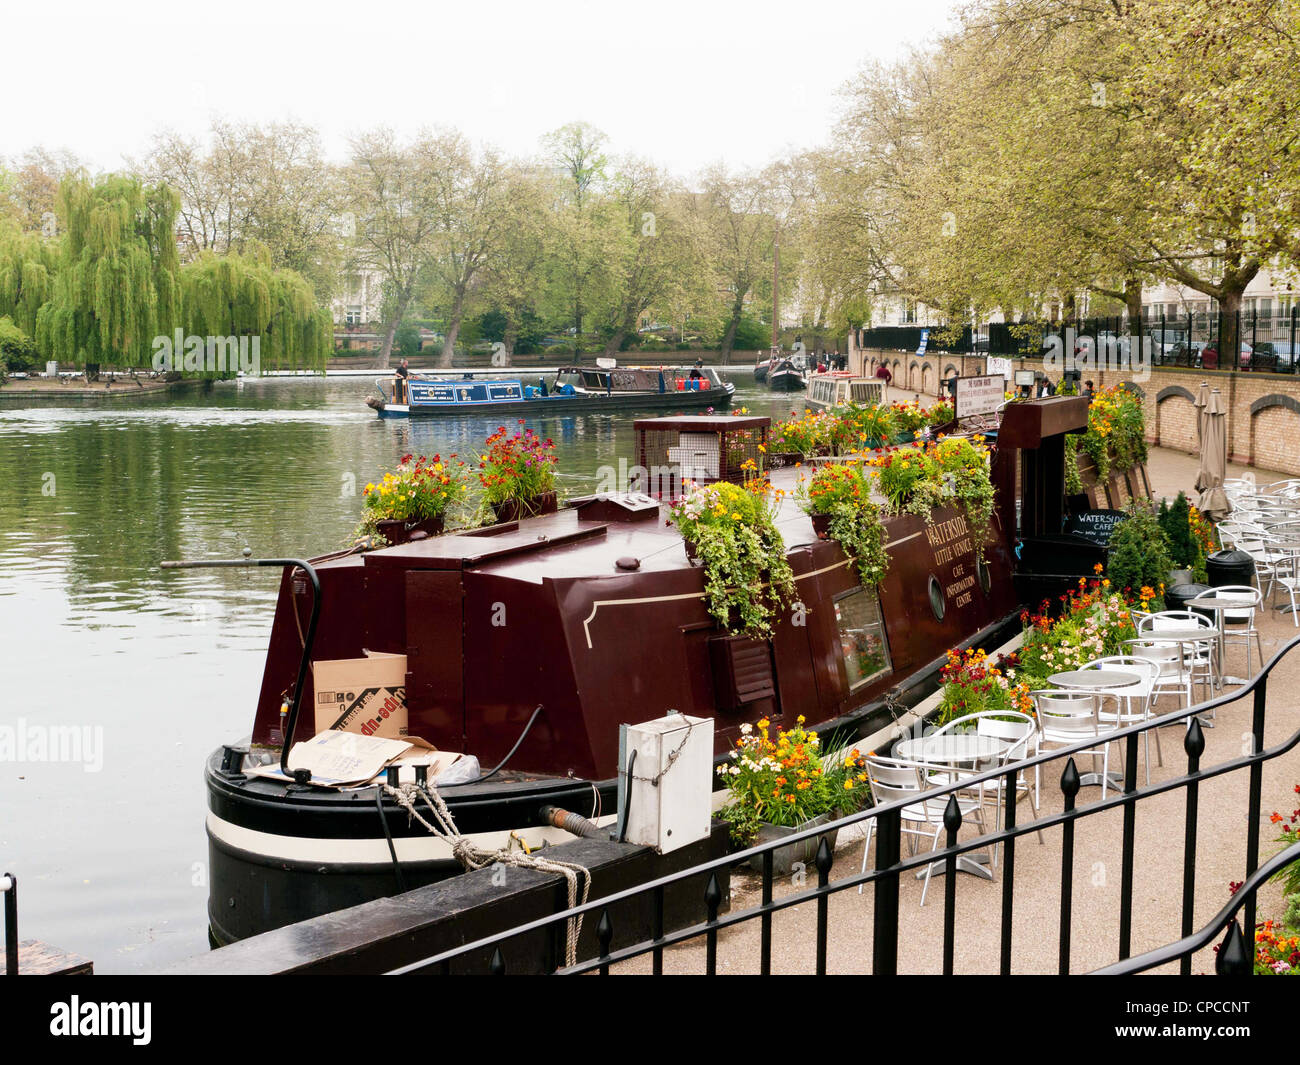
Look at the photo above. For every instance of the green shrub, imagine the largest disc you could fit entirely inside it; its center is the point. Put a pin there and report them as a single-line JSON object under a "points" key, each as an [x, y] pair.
{"points": [[17, 352], [1175, 523], [1139, 554]]}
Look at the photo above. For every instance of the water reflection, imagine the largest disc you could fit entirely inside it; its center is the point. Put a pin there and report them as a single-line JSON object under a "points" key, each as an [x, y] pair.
{"points": [[92, 499]]}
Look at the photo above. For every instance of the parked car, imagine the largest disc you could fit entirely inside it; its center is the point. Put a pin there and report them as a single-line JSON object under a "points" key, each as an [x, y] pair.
{"points": [[1210, 356], [1274, 355]]}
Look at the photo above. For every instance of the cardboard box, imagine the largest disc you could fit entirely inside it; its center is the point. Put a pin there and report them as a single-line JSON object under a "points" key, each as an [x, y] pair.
{"points": [[363, 695]]}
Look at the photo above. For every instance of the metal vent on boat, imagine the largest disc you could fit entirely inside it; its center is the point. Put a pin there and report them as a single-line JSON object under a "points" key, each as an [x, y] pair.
{"points": [[742, 672]]}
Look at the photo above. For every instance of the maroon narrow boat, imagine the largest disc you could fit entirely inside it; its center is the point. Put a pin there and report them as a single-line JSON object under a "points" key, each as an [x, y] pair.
{"points": [[530, 643]]}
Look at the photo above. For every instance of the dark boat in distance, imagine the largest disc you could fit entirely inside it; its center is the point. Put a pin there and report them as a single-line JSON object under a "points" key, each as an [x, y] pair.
{"points": [[784, 376], [605, 624], [574, 389]]}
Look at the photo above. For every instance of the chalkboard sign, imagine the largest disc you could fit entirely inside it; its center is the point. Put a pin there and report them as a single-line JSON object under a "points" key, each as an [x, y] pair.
{"points": [[1094, 525]]}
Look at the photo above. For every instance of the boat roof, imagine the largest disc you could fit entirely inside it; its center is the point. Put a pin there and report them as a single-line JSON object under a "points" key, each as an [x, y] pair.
{"points": [[568, 545]]}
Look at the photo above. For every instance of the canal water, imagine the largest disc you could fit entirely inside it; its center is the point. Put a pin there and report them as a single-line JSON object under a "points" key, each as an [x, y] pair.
{"points": [[118, 679]]}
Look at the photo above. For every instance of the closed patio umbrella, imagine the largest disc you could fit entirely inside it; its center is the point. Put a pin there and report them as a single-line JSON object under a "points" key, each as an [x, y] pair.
{"points": [[1213, 501], [1202, 399]]}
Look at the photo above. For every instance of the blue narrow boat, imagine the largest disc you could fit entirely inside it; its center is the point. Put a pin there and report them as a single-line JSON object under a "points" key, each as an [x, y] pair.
{"points": [[573, 389]]}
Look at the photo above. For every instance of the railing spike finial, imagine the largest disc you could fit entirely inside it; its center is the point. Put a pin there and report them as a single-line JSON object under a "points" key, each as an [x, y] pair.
{"points": [[1234, 957], [713, 896], [1194, 741], [952, 814], [824, 857], [604, 932], [497, 966], [1070, 782]]}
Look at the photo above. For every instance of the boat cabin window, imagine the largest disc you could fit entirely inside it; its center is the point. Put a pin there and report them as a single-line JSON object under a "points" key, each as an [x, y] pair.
{"points": [[568, 377], [862, 636]]}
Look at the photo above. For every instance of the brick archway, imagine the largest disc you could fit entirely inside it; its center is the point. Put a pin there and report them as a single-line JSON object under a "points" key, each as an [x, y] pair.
{"points": [[1176, 418], [1273, 430], [927, 379]]}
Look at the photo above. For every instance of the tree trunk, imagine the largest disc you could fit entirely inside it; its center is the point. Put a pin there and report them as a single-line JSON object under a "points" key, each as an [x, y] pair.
{"points": [[390, 330], [453, 327], [1133, 301], [1229, 335], [509, 338], [729, 337]]}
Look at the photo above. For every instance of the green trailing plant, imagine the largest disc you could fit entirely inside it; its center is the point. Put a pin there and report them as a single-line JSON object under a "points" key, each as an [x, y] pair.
{"points": [[1139, 554], [747, 576], [843, 493]]}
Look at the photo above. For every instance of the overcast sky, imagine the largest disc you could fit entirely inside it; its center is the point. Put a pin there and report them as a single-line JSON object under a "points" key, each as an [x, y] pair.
{"points": [[684, 82]]}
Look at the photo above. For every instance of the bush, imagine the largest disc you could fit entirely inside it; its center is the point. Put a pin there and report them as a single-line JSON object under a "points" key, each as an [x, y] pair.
{"points": [[1175, 522], [17, 352], [1139, 555]]}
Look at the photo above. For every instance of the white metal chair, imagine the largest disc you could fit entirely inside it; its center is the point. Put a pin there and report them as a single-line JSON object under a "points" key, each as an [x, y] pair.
{"points": [[1135, 700], [1020, 733], [1200, 657], [1240, 624], [1069, 717], [892, 780]]}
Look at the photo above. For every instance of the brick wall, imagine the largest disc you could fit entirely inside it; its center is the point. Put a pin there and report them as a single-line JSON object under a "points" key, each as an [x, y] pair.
{"points": [[1263, 409]]}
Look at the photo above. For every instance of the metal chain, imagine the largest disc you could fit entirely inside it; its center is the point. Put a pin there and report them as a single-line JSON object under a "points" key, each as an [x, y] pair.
{"points": [[672, 758]]}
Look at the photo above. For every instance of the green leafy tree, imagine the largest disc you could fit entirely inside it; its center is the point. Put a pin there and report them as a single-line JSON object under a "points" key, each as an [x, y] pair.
{"points": [[116, 281]]}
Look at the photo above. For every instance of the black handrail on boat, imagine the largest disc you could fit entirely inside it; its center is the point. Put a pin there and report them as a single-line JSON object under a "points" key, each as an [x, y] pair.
{"points": [[890, 866], [307, 643]]}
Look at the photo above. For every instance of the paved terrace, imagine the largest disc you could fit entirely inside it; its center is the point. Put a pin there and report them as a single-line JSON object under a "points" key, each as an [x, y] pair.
{"points": [[1158, 874]]}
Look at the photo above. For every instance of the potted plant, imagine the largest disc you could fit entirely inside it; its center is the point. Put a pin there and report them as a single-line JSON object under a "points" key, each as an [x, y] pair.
{"points": [[412, 499], [950, 471], [838, 497], [518, 475], [729, 529], [779, 785]]}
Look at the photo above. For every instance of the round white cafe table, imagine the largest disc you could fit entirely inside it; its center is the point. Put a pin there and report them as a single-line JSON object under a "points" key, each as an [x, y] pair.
{"points": [[951, 748], [1097, 679], [955, 749]]}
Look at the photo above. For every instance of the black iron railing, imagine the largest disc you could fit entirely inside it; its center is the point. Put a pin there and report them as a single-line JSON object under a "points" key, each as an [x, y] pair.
{"points": [[1252, 340], [890, 866]]}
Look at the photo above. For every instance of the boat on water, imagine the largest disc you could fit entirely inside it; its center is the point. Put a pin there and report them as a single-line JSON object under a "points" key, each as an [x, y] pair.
{"points": [[573, 389], [528, 644], [784, 376], [838, 388], [760, 371]]}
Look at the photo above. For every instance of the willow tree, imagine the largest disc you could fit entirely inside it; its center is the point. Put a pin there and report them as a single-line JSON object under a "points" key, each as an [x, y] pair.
{"points": [[116, 282], [244, 296], [27, 265]]}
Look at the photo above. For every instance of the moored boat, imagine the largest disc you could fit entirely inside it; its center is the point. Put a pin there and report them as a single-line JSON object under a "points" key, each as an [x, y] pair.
{"points": [[784, 376], [528, 644], [838, 388], [573, 389]]}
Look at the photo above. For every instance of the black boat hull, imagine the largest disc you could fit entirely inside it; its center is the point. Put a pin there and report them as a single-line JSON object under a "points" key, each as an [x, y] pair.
{"points": [[279, 855], [592, 403], [788, 381]]}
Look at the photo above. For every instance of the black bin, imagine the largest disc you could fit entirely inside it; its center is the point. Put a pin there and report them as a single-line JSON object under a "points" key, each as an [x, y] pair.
{"points": [[1177, 597], [1229, 567]]}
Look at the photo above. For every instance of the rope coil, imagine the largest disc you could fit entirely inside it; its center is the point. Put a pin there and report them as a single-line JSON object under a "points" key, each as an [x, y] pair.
{"points": [[471, 856]]}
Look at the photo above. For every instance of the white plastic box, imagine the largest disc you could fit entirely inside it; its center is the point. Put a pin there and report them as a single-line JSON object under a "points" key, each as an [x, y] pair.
{"points": [[672, 781]]}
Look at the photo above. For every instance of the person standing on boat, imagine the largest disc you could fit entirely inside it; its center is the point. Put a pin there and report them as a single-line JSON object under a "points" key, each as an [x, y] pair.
{"points": [[399, 385]]}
